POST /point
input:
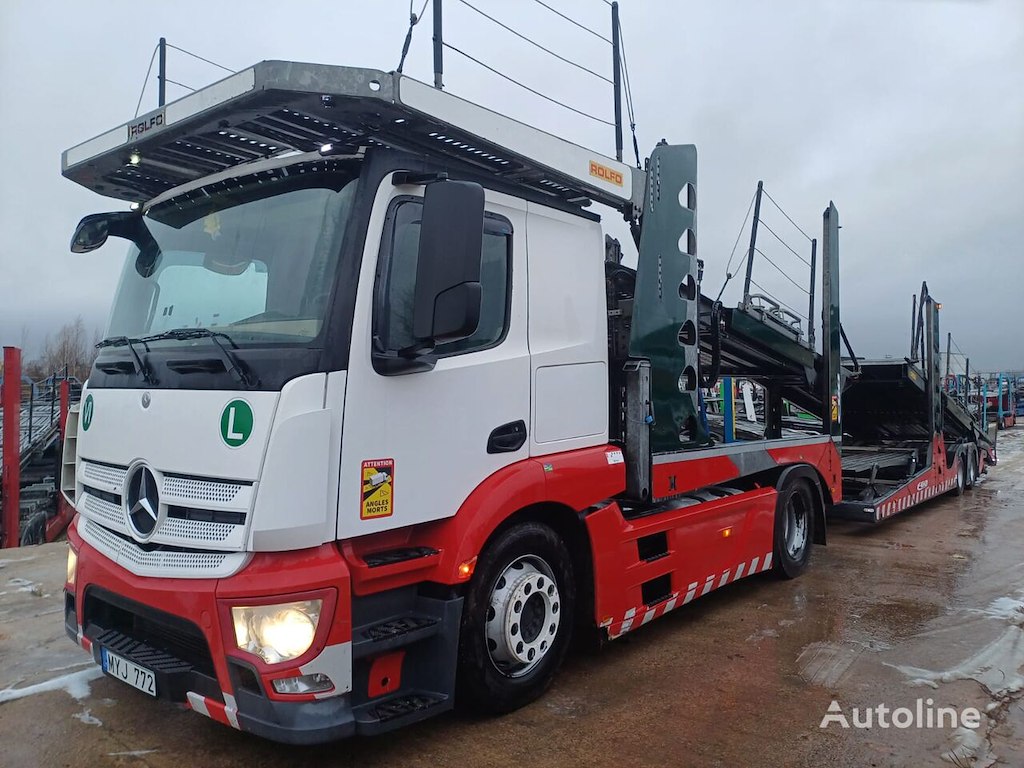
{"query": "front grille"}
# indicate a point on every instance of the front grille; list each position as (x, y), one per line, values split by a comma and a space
(203, 513)
(156, 632)
(104, 511)
(103, 474)
(182, 529)
(165, 560)
(194, 489)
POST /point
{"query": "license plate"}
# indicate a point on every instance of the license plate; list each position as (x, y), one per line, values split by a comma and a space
(128, 672)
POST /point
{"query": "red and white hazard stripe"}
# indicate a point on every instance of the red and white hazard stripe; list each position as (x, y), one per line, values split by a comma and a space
(225, 714)
(908, 500)
(637, 617)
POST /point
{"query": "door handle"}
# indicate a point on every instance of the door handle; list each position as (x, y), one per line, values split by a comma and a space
(508, 438)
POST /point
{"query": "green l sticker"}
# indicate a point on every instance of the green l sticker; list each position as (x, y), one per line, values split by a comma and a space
(87, 408)
(236, 423)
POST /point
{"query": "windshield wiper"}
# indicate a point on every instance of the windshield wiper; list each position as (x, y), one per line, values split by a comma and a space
(124, 341)
(239, 371)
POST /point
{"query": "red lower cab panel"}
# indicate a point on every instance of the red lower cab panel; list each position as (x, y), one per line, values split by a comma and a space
(182, 631)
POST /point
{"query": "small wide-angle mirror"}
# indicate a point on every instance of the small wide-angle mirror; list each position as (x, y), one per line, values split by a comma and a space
(93, 230)
(90, 233)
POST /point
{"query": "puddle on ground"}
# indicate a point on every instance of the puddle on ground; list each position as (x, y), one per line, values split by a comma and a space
(995, 666)
(75, 684)
(86, 717)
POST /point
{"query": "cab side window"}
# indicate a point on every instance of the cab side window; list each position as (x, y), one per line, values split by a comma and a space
(396, 280)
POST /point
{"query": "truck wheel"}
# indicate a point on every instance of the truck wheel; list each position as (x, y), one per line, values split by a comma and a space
(794, 528)
(517, 620)
(961, 477)
(972, 472)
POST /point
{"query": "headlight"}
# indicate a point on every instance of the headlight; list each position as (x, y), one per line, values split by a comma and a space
(276, 632)
(72, 566)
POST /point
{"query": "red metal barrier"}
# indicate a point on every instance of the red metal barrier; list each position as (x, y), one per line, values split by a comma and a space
(11, 480)
(56, 525)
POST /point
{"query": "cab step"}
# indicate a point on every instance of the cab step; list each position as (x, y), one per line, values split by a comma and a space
(397, 711)
(382, 636)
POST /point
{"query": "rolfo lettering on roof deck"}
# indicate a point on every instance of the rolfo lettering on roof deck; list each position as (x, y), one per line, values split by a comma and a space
(135, 130)
(606, 173)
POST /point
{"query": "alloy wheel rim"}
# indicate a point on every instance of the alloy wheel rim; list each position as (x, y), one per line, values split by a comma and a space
(523, 616)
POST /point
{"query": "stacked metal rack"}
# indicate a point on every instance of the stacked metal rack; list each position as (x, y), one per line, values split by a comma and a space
(39, 408)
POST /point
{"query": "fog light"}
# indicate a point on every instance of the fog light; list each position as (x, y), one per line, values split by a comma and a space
(276, 632)
(304, 684)
(72, 566)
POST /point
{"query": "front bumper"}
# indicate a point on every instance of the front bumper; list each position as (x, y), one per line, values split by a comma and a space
(180, 630)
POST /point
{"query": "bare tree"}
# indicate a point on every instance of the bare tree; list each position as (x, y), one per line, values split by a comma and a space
(71, 347)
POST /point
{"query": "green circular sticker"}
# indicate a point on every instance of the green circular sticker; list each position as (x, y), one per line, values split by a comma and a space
(87, 408)
(236, 423)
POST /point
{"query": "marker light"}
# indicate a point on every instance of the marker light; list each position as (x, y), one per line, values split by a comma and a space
(276, 632)
(72, 566)
(466, 569)
(134, 158)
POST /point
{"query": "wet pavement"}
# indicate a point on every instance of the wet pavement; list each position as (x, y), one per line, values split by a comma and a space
(928, 606)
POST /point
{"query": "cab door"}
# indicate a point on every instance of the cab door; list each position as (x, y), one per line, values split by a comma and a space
(416, 444)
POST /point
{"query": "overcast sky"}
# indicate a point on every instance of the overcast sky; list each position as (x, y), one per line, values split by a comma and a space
(909, 114)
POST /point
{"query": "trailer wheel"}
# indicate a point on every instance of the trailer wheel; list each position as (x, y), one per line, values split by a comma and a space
(961, 477)
(517, 620)
(795, 508)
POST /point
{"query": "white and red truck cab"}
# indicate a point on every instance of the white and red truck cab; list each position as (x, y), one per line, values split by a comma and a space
(376, 424)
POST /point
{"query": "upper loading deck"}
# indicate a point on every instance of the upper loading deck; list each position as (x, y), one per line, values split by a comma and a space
(890, 400)
(277, 107)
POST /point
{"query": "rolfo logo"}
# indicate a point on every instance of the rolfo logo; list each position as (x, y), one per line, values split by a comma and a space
(924, 714)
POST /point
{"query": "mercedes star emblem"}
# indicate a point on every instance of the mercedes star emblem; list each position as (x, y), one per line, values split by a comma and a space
(142, 501)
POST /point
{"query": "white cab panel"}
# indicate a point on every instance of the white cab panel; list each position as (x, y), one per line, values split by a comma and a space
(433, 425)
(292, 508)
(568, 332)
(179, 432)
(572, 402)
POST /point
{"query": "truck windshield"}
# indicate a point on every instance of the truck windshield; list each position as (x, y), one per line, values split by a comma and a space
(253, 257)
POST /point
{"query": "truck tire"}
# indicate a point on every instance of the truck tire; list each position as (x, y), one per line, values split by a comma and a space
(795, 508)
(517, 620)
(972, 471)
(961, 477)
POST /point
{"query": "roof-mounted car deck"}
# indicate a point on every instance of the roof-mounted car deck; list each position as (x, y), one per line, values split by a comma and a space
(276, 107)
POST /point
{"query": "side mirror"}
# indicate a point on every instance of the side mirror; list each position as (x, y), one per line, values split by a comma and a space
(446, 304)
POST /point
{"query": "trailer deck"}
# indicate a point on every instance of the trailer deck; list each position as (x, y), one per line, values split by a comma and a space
(905, 439)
